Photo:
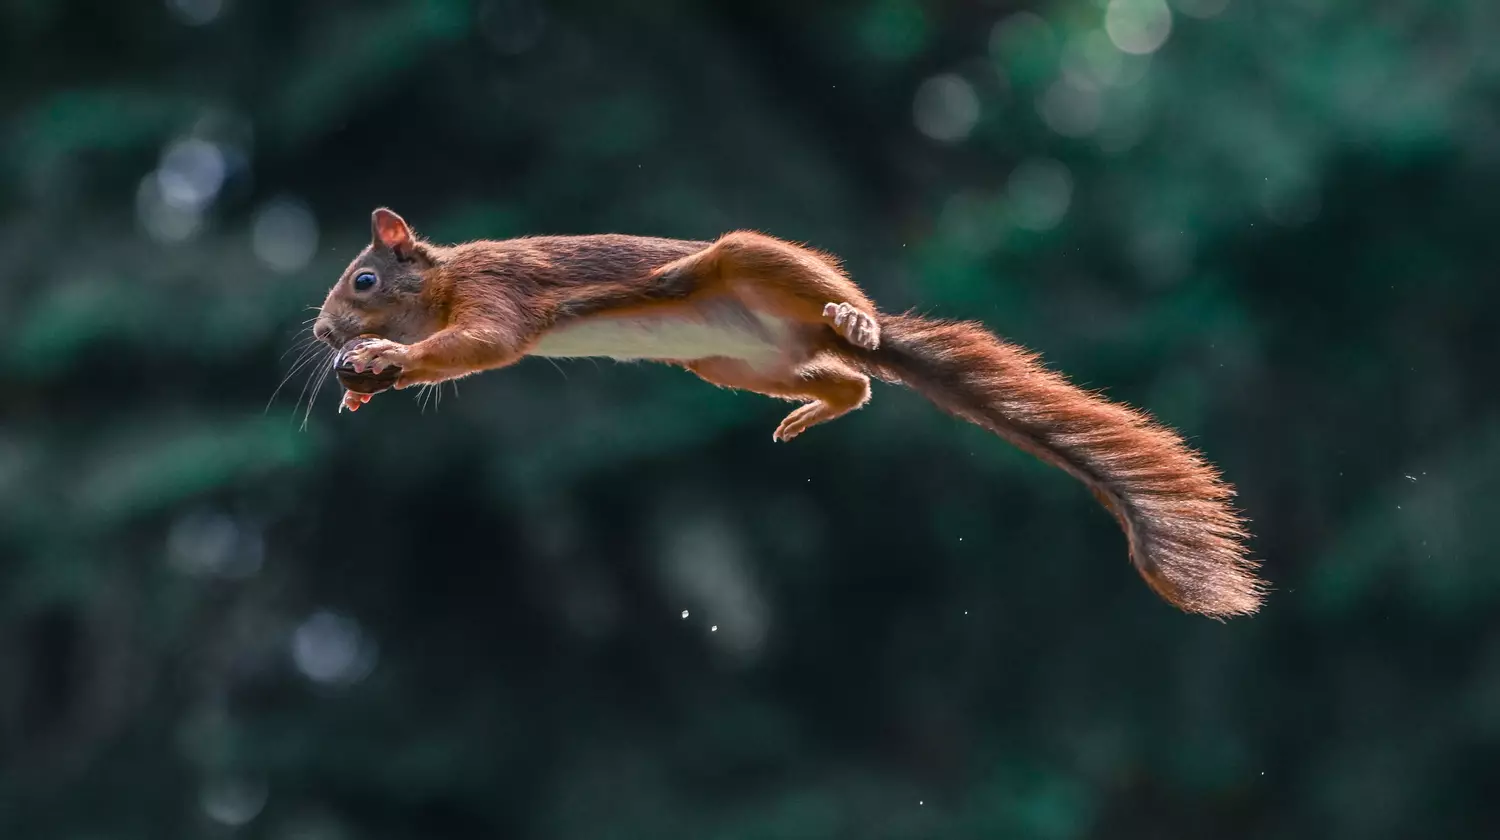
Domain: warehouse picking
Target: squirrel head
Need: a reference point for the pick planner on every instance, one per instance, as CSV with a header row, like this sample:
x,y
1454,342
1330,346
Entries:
x,y
381,292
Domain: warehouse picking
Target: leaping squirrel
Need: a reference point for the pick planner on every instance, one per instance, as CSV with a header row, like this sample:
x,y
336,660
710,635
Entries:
x,y
752,312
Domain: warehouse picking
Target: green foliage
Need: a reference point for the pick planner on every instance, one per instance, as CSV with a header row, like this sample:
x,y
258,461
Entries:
x,y
595,600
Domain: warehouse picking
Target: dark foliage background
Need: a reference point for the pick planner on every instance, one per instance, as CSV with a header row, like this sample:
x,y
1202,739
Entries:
x,y
1270,222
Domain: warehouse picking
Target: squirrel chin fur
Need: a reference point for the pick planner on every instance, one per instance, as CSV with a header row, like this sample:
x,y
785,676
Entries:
x,y
752,312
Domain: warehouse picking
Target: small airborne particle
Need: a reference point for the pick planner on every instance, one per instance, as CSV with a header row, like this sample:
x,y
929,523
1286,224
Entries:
x,y
1411,478
714,629
684,613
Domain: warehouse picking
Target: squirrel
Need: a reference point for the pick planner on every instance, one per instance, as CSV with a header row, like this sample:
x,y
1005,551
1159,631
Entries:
x,y
752,312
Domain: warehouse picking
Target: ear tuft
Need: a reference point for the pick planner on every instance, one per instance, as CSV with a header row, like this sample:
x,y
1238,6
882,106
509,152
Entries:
x,y
390,231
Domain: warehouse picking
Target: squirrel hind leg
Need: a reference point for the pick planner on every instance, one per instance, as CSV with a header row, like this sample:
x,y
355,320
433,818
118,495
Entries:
x,y
853,324
833,390
827,386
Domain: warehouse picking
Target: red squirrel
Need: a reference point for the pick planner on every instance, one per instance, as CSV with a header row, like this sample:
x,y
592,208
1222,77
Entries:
x,y
752,312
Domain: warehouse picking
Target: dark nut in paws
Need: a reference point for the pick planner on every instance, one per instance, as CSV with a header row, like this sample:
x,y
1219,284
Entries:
x,y
368,382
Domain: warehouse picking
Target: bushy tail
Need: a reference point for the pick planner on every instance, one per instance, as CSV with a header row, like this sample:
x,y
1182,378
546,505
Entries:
x,y
1184,538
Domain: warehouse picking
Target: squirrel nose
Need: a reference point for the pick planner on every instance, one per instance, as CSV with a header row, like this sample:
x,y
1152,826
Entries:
x,y
323,332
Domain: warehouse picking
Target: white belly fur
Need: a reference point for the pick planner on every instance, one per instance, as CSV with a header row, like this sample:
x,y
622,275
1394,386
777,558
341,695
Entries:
x,y
725,329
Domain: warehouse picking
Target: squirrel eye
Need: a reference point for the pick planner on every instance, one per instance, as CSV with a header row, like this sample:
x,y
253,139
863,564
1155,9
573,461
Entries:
x,y
364,281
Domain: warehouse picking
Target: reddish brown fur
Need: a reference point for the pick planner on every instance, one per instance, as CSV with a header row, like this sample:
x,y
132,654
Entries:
x,y
452,311
1184,538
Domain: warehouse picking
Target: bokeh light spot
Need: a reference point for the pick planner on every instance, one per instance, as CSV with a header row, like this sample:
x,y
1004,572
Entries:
x,y
214,544
161,220
946,108
1138,27
284,235
196,12
1070,110
332,649
1020,37
233,802
190,173
1038,193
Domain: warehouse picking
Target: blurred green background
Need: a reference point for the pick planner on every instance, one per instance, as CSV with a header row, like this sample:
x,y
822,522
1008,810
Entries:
x,y
592,600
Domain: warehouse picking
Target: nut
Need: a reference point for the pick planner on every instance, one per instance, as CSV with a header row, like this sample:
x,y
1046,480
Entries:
x,y
368,382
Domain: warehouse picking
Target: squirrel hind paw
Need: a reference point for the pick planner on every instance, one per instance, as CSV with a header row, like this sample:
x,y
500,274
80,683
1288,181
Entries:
x,y
855,325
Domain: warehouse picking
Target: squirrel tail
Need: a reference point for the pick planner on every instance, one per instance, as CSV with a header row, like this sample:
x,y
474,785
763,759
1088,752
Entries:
x,y
1185,539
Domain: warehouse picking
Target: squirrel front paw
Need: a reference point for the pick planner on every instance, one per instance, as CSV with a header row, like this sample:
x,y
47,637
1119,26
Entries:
x,y
353,400
377,355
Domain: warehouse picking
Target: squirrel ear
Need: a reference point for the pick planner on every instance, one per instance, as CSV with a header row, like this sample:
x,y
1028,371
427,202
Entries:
x,y
391,231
